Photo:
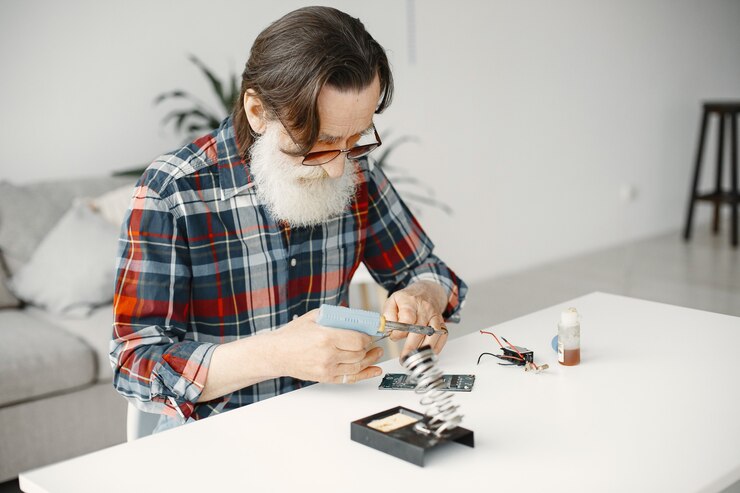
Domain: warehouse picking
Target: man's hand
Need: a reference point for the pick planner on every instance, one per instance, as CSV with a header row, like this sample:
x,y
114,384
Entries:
x,y
420,303
310,351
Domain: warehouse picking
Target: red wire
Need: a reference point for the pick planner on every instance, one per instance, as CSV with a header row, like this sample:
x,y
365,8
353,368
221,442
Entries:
x,y
520,354
509,357
512,347
494,335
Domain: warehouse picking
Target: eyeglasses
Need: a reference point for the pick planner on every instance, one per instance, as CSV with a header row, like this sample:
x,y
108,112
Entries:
x,y
318,158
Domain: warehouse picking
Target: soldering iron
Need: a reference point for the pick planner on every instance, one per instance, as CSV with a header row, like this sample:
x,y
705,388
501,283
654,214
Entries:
x,y
371,323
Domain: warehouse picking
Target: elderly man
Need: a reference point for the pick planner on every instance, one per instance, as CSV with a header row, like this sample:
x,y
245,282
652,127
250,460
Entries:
x,y
232,242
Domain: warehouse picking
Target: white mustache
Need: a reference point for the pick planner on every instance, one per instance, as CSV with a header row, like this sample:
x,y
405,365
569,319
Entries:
x,y
299,195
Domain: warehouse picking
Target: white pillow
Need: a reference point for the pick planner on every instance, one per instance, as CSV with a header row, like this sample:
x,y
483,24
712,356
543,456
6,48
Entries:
x,y
7,300
114,204
73,268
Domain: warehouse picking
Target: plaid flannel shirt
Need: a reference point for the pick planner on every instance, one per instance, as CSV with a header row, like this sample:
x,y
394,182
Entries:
x,y
202,263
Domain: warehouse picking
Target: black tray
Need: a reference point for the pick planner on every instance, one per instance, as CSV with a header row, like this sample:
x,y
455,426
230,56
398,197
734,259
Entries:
x,y
405,443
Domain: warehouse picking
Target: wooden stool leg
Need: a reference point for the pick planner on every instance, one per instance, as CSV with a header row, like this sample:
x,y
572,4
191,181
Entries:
x,y
697,171
720,172
735,197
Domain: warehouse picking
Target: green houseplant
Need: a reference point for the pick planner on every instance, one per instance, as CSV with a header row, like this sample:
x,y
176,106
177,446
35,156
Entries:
x,y
199,118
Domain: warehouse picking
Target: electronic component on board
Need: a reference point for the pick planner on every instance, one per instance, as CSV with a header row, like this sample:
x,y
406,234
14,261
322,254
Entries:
x,y
514,355
402,381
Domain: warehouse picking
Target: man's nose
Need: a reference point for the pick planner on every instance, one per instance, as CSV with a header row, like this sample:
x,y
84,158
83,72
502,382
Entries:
x,y
335,167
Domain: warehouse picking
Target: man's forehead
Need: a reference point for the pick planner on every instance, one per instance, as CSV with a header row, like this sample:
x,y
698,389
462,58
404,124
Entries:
x,y
344,113
331,136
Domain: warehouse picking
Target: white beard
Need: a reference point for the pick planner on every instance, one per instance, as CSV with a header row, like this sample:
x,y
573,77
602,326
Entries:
x,y
299,195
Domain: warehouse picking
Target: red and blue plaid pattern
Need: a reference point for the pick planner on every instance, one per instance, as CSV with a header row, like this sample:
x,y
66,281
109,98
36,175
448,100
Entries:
x,y
202,263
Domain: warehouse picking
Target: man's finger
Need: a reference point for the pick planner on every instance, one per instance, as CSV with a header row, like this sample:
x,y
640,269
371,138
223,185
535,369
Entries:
x,y
439,343
390,309
407,313
369,372
312,314
352,368
436,341
344,356
397,335
350,340
437,321
413,341
401,308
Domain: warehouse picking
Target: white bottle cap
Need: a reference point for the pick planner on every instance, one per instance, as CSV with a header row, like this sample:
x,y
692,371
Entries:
x,y
569,317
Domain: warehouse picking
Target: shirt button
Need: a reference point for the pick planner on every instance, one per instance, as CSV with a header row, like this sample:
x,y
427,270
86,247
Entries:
x,y
295,316
293,262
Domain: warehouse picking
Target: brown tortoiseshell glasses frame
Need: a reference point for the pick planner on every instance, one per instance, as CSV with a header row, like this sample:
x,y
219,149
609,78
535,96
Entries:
x,y
318,158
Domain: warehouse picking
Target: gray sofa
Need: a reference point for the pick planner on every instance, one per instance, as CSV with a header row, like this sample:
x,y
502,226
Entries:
x,y
56,397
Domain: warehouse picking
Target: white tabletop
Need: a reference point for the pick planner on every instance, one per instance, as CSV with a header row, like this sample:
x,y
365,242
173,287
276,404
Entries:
x,y
652,407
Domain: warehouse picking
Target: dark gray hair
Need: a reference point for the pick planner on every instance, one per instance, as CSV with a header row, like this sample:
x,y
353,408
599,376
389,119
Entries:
x,y
294,57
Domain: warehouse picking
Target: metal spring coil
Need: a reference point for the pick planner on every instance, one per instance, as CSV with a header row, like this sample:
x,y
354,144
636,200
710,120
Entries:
x,y
442,413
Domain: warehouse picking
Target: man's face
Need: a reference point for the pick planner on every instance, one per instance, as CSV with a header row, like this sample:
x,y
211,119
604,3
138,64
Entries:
x,y
307,195
345,117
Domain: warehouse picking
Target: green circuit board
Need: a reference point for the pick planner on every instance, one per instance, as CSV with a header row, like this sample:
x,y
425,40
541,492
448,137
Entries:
x,y
453,383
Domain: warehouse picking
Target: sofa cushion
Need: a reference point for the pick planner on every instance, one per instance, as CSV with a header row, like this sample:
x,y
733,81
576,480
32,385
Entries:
x,y
73,268
114,205
39,359
95,329
7,298
27,212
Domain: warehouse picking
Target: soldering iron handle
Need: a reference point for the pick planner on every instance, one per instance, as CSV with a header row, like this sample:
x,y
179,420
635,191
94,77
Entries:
x,y
340,317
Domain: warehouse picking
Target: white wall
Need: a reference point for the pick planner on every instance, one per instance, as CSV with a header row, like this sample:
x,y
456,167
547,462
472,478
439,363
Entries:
x,y
532,115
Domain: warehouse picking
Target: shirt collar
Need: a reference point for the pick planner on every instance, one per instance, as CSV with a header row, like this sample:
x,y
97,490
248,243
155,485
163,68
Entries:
x,y
233,171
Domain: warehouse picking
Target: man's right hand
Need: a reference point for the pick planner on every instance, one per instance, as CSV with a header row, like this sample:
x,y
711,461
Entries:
x,y
309,351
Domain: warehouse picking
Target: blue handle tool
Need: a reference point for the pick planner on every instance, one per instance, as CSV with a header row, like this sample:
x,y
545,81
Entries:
x,y
371,323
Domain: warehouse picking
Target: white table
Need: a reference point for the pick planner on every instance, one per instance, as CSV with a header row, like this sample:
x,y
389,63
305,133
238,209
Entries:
x,y
652,407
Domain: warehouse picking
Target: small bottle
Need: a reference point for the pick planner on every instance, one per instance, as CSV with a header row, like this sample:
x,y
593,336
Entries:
x,y
569,338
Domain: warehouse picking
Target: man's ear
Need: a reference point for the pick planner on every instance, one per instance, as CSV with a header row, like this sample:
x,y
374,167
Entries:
x,y
255,111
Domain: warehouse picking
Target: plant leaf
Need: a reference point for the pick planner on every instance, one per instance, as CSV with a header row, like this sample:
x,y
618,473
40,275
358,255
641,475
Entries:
x,y
385,151
428,201
198,128
131,172
177,94
398,180
182,115
216,84
235,90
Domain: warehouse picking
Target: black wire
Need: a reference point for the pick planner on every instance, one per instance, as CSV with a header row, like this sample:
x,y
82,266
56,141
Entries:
x,y
489,354
505,358
520,361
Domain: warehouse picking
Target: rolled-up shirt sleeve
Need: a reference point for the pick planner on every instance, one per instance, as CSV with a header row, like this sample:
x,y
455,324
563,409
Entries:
x,y
397,250
155,366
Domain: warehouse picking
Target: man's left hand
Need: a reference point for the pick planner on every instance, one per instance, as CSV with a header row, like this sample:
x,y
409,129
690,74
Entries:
x,y
420,303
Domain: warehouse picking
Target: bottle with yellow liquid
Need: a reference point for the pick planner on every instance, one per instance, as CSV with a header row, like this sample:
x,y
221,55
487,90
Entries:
x,y
569,338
